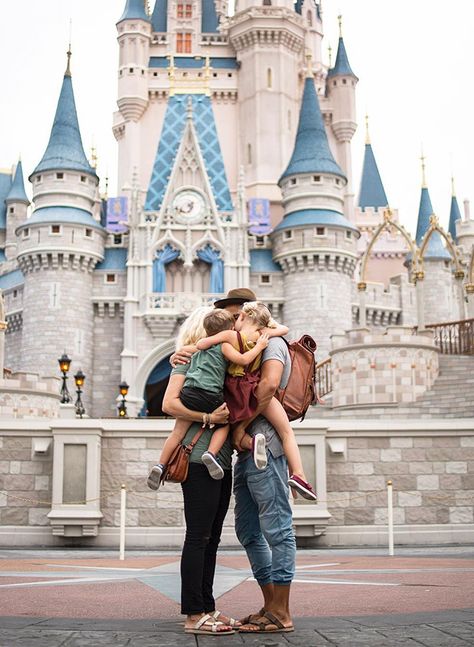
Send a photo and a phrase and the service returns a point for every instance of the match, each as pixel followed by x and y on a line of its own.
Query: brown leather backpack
pixel 300 390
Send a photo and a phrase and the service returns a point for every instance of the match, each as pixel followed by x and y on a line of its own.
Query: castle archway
pixel 152 378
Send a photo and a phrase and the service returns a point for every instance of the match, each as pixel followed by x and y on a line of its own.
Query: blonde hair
pixel 259 314
pixel 217 321
pixel 192 329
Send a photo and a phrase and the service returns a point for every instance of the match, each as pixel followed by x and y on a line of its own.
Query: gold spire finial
pixel 339 20
pixel 68 66
pixel 330 55
pixel 453 190
pixel 93 156
pixel 309 64
pixel 69 53
pixel 423 169
pixel 367 137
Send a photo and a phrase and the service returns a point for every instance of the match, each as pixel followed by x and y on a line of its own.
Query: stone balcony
pixel 163 309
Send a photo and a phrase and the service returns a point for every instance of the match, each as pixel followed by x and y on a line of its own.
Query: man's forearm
pixel 177 409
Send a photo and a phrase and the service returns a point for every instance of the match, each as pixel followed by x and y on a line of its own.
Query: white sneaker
pixel 259 451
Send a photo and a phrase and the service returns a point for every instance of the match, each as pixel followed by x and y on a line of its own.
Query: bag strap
pixel 189 448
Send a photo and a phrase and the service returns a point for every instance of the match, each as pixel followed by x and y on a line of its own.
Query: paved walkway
pixel 343 598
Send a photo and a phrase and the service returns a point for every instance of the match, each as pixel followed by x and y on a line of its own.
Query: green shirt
pixel 225 454
pixel 207 370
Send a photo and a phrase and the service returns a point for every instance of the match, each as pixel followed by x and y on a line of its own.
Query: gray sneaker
pixel 154 477
pixel 215 470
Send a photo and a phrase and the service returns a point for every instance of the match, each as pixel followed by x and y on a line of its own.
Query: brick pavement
pixel 341 598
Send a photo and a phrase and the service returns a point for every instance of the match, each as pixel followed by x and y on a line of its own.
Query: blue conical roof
pixel 159 16
pixel 311 153
pixel 17 192
pixel 65 150
pixel 341 66
pixel 425 210
pixel 372 193
pixel 134 9
pixel 209 19
pixel 454 215
pixel 435 249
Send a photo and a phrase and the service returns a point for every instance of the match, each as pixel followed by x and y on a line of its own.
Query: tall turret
pixel 314 243
pixel 58 247
pixel 341 84
pixel 17 205
pixel 438 279
pixel 269 43
pixel 134 35
pixel 371 193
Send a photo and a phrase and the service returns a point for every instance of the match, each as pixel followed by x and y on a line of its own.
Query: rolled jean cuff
pixel 264 582
pixel 280 583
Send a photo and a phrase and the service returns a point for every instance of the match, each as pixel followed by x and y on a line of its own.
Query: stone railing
pixel 379 368
pixel 171 303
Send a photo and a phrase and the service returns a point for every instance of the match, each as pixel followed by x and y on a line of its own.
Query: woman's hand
pixel 220 415
pixel 182 356
pixel 262 341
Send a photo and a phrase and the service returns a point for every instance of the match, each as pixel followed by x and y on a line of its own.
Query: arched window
pixel 309 18
pixel 269 78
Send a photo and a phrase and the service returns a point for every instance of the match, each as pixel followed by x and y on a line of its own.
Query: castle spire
pixel 134 9
pixel 209 18
pixel 342 66
pixel 435 250
pixel 454 213
pixel 372 192
pixel 159 16
pixel 65 149
pixel 311 153
pixel 17 191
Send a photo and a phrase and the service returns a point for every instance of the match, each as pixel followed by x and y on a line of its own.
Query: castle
pixel 235 159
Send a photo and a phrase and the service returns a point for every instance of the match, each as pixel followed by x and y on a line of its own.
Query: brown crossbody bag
pixel 177 469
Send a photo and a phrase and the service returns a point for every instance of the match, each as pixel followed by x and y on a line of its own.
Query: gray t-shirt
pixel 276 349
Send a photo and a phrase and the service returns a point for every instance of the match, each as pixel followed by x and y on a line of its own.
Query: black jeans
pixel 205 505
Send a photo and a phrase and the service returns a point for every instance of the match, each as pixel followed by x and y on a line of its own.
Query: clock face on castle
pixel 188 206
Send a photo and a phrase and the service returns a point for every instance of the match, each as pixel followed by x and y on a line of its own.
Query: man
pixel 263 516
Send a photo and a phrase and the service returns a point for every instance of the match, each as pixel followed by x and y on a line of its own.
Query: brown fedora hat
pixel 236 295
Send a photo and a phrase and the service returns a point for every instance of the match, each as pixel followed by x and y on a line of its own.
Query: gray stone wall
pixel 317 303
pixel 27 480
pixel 106 366
pixel 433 480
pixel 438 293
pixel 57 317
pixel 13 341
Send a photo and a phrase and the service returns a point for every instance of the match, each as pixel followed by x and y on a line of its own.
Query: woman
pixel 206 501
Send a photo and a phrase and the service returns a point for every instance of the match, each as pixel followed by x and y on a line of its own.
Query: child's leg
pixel 218 439
pixel 180 429
pixel 176 436
pixel 275 414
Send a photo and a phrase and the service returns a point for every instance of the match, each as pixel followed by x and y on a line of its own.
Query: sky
pixel 413 59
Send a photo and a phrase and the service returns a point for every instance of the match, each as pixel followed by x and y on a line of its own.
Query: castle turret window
pixel 55 229
pixel 26 232
pixel 316 178
pixel 288 234
pixel 259 241
pixel 117 239
pixel 38 178
pixel 88 233
pixel 183 42
pixel 309 18
pixel 320 231
pixel 12 210
pixel 348 234
pixel 60 176
pixel 83 178
pixel 249 153
pixel 265 279
pixel 269 78
pixel 110 278
pixel 184 10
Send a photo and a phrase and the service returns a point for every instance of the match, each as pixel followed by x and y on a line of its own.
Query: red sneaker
pixel 302 488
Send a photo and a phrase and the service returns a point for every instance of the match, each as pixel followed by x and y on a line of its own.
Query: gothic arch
pixel 434 226
pixel 386 224
pixel 155 356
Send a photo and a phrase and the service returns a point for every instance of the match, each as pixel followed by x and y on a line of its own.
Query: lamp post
pixel 64 364
pixel 122 407
pixel 79 379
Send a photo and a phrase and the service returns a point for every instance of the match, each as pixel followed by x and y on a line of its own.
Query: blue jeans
pixel 263 519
